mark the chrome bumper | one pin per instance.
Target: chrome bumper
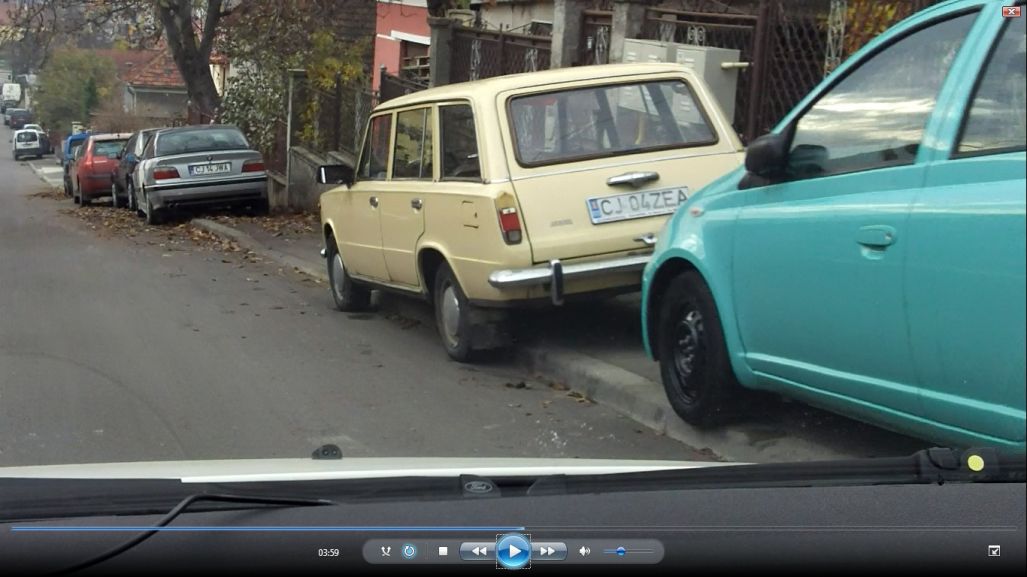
(555, 273)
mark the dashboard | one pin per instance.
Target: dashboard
(954, 528)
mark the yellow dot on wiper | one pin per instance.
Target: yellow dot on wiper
(975, 462)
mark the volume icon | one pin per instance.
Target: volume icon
(584, 551)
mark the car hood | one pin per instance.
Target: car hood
(253, 470)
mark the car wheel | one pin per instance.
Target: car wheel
(453, 314)
(114, 199)
(82, 200)
(694, 362)
(153, 216)
(347, 295)
(131, 194)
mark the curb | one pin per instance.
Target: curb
(628, 393)
(251, 243)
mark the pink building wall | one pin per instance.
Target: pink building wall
(398, 20)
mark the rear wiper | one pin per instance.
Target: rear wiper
(179, 509)
(929, 466)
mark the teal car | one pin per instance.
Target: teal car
(869, 257)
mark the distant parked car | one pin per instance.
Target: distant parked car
(33, 127)
(69, 148)
(209, 165)
(128, 158)
(869, 257)
(27, 143)
(91, 173)
(19, 117)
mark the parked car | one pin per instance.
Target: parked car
(26, 143)
(19, 117)
(69, 148)
(870, 256)
(91, 172)
(208, 165)
(128, 158)
(10, 95)
(35, 127)
(520, 189)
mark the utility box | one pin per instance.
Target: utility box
(718, 67)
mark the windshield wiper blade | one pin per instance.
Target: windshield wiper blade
(929, 466)
(180, 508)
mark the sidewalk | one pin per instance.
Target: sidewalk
(595, 349)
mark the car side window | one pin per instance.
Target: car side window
(375, 155)
(997, 117)
(412, 155)
(875, 116)
(129, 147)
(459, 143)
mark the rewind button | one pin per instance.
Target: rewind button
(477, 550)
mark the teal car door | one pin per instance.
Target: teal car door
(966, 255)
(819, 258)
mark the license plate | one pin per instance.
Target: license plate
(205, 169)
(603, 209)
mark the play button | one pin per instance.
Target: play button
(513, 551)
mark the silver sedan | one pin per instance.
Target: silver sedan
(209, 165)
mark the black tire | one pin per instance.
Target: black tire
(82, 200)
(15, 158)
(694, 363)
(453, 316)
(153, 215)
(130, 193)
(347, 295)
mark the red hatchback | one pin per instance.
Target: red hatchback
(93, 165)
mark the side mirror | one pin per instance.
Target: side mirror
(335, 174)
(767, 156)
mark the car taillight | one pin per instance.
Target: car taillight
(253, 166)
(510, 225)
(164, 173)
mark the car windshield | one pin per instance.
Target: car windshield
(109, 148)
(508, 236)
(201, 140)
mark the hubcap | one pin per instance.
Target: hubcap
(338, 278)
(450, 315)
(689, 336)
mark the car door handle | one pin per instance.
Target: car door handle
(374, 201)
(648, 239)
(876, 236)
(635, 179)
(416, 204)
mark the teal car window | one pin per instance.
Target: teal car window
(997, 118)
(875, 116)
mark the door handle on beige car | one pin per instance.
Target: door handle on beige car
(416, 204)
(374, 201)
(635, 179)
(648, 239)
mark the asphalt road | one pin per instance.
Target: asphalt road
(125, 349)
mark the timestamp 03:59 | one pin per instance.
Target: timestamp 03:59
(328, 552)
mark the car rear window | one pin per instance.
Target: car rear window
(202, 140)
(108, 147)
(607, 120)
(27, 137)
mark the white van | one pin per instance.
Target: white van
(11, 96)
(26, 143)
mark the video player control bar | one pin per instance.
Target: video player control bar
(478, 550)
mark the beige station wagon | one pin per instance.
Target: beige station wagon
(504, 192)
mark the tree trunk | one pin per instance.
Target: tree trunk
(192, 55)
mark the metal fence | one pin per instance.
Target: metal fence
(391, 86)
(789, 44)
(329, 119)
(596, 29)
(477, 53)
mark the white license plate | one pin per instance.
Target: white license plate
(602, 209)
(205, 169)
